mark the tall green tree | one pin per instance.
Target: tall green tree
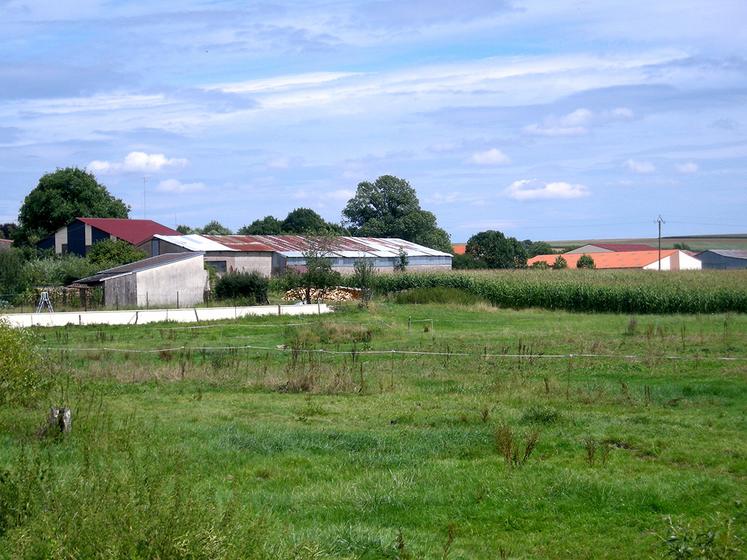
(304, 221)
(389, 207)
(534, 248)
(60, 197)
(496, 250)
(269, 225)
(215, 228)
(109, 253)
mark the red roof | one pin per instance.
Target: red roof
(623, 247)
(623, 259)
(459, 248)
(132, 231)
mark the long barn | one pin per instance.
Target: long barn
(272, 254)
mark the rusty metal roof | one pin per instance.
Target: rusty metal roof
(296, 245)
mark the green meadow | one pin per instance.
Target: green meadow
(487, 433)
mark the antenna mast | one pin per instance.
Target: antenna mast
(660, 221)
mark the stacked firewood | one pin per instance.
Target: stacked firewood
(340, 293)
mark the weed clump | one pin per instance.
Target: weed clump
(540, 415)
(508, 444)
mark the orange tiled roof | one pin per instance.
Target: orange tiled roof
(459, 248)
(627, 259)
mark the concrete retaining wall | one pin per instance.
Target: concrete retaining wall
(140, 317)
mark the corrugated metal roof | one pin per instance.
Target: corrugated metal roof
(296, 245)
(133, 231)
(137, 266)
(623, 259)
(194, 242)
(731, 253)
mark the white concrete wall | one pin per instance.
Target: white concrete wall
(688, 262)
(60, 239)
(181, 282)
(141, 317)
(677, 261)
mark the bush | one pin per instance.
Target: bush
(467, 262)
(21, 378)
(248, 286)
(109, 253)
(12, 279)
(585, 261)
(560, 263)
(57, 271)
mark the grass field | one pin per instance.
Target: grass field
(277, 450)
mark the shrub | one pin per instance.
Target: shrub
(467, 262)
(57, 271)
(109, 253)
(585, 261)
(560, 262)
(540, 265)
(21, 378)
(364, 272)
(248, 286)
(12, 279)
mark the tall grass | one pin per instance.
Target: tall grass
(590, 290)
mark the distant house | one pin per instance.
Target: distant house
(610, 248)
(79, 235)
(271, 254)
(5, 244)
(723, 258)
(170, 280)
(459, 248)
(671, 259)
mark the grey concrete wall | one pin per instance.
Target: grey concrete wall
(159, 286)
(588, 249)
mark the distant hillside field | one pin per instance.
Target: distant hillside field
(696, 242)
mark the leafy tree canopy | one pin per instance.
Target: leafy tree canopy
(109, 253)
(560, 263)
(496, 250)
(389, 207)
(184, 229)
(534, 248)
(304, 221)
(269, 225)
(59, 198)
(215, 228)
(585, 261)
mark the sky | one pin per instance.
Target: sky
(545, 119)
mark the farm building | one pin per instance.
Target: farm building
(79, 235)
(459, 248)
(610, 248)
(723, 258)
(170, 280)
(271, 254)
(671, 259)
(5, 244)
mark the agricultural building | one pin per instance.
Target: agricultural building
(671, 259)
(723, 258)
(610, 248)
(79, 235)
(459, 248)
(5, 244)
(169, 280)
(271, 254)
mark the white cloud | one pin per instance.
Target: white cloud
(640, 166)
(341, 194)
(687, 167)
(573, 124)
(136, 161)
(622, 113)
(278, 163)
(532, 189)
(493, 156)
(176, 186)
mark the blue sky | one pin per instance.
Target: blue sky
(547, 119)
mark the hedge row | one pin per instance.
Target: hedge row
(581, 290)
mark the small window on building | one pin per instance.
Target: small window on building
(218, 266)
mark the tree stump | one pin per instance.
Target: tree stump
(60, 420)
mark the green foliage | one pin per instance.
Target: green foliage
(712, 541)
(603, 291)
(109, 253)
(185, 230)
(304, 221)
(57, 270)
(534, 248)
(560, 263)
(496, 250)
(540, 265)
(400, 265)
(214, 228)
(59, 198)
(22, 379)
(683, 247)
(318, 274)
(12, 280)
(422, 296)
(389, 207)
(363, 276)
(245, 286)
(467, 262)
(269, 225)
(585, 261)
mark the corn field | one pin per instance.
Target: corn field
(712, 291)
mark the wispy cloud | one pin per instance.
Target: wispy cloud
(136, 161)
(687, 167)
(493, 156)
(637, 166)
(532, 189)
(176, 186)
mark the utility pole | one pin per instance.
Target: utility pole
(660, 221)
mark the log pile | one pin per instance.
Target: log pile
(340, 293)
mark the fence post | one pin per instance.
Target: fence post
(409, 323)
(278, 310)
(147, 301)
(177, 299)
